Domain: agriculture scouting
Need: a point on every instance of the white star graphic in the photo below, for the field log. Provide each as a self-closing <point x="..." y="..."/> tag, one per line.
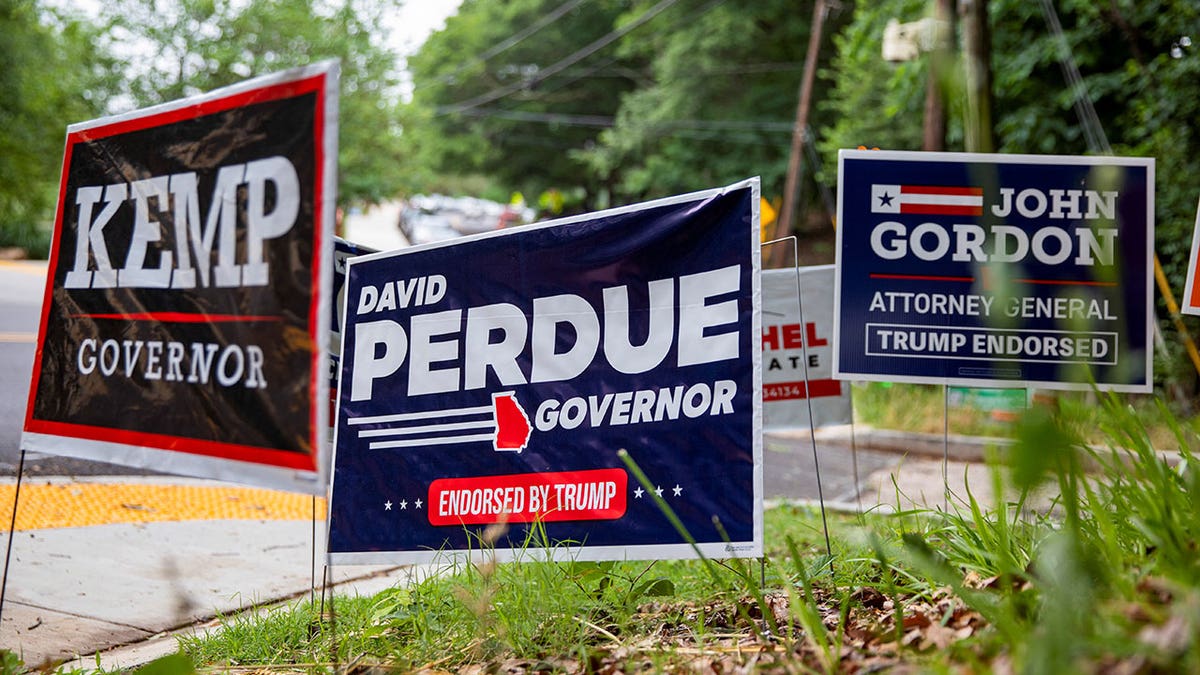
<point x="637" y="494"/>
<point x="658" y="490"/>
<point x="403" y="504"/>
<point x="417" y="504"/>
<point x="677" y="490"/>
<point x="387" y="506"/>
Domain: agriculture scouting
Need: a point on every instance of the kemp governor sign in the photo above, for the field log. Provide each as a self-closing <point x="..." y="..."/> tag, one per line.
<point x="1011" y="270"/>
<point x="494" y="379"/>
<point x="186" y="309"/>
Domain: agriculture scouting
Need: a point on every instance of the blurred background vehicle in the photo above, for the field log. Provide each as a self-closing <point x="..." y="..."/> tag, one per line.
<point x="428" y="218"/>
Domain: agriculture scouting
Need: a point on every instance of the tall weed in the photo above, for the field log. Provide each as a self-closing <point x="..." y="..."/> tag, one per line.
<point x="1065" y="585"/>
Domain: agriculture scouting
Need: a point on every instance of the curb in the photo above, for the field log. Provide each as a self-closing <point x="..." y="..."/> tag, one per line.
<point x="956" y="447"/>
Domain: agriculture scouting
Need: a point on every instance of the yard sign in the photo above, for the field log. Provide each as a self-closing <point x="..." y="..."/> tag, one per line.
<point x="798" y="357"/>
<point x="1191" y="291"/>
<point x="187" y="306"/>
<point x="492" y="380"/>
<point x="995" y="270"/>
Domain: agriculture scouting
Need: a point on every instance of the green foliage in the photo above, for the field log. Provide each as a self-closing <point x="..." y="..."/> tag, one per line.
<point x="171" y="664"/>
<point x="872" y="102"/>
<point x="50" y="75"/>
<point x="10" y="662"/>
<point x="1102" y="575"/>
<point x="206" y="44"/>
<point x="506" y="115"/>
<point x="718" y="103"/>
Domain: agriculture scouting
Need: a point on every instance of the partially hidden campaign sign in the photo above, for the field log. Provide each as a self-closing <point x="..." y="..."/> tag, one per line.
<point x="187" y="302"/>
<point x="798" y="355"/>
<point x="1191" y="290"/>
<point x="493" y="380"/>
<point x="995" y="270"/>
<point x="343" y="250"/>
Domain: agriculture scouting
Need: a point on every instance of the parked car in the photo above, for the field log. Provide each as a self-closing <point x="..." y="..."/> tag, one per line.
<point x="428" y="218"/>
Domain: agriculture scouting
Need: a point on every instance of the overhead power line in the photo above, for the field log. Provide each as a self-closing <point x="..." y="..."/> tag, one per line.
<point x="605" y="121"/>
<point x="1093" y="131"/>
<point x="516" y="38"/>
<point x="569" y="77"/>
<point x="565" y="63"/>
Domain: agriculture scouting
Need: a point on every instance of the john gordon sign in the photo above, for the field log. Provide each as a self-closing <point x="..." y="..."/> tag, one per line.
<point x="995" y="270"/>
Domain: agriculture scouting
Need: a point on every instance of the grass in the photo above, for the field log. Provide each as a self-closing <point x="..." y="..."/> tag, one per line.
<point x="922" y="408"/>
<point x="1106" y="578"/>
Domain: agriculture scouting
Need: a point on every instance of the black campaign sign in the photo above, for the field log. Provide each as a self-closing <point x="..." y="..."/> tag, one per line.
<point x="185" y="308"/>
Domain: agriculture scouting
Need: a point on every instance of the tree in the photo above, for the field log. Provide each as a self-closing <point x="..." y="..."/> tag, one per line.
<point x="51" y="76"/>
<point x="719" y="105"/>
<point x="679" y="95"/>
<point x="512" y="91"/>
<point x="201" y="45"/>
<point x="873" y="102"/>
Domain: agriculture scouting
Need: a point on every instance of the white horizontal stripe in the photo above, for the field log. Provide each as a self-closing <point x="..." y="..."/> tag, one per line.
<point x="404" y="417"/>
<point x="947" y="200"/>
<point x="403" y="431"/>
<point x="416" y="442"/>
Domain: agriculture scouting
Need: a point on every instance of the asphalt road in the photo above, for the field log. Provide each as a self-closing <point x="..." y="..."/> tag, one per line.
<point x="21" y="288"/>
<point x="22" y="285"/>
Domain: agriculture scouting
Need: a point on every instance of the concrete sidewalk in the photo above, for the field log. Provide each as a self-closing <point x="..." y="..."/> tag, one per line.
<point x="126" y="589"/>
<point x="80" y="590"/>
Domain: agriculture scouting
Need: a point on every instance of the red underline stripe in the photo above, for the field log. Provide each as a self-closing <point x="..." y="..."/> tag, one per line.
<point x="941" y="209"/>
<point x="921" y="277"/>
<point x="1066" y="282"/>
<point x="182" y="317"/>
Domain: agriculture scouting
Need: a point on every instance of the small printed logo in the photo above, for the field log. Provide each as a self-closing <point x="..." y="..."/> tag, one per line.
<point x="927" y="199"/>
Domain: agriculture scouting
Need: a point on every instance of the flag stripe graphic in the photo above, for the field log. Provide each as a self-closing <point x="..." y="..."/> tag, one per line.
<point x="945" y="200"/>
<point x="404" y="431"/>
<point x="416" y="442"/>
<point x="404" y="417"/>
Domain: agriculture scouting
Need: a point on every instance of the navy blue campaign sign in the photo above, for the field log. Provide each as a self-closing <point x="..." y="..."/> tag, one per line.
<point x="493" y="379"/>
<point x="994" y="270"/>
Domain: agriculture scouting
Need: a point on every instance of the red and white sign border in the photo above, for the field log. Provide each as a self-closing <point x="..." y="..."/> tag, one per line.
<point x="271" y="468"/>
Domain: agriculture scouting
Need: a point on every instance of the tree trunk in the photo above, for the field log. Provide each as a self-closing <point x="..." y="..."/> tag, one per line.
<point x="939" y="58"/>
<point x="977" y="50"/>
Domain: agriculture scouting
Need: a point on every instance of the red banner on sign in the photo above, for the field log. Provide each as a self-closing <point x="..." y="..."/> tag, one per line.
<point x="784" y="391"/>
<point x="598" y="494"/>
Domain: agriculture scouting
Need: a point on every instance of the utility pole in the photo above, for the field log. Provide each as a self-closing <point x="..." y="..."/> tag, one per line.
<point x="796" y="159"/>
<point x="977" y="51"/>
<point x="939" y="58"/>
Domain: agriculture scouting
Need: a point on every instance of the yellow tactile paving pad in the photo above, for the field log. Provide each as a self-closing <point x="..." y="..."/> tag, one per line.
<point x="45" y="506"/>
